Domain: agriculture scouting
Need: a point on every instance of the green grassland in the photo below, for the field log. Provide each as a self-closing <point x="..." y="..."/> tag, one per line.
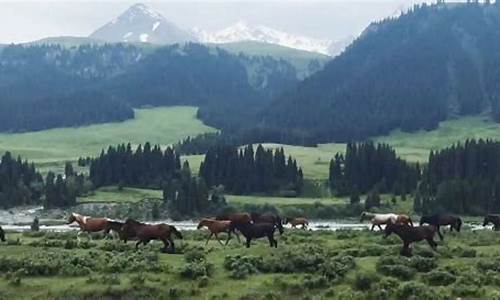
<point x="113" y="194"/>
<point x="306" y="265"/>
<point x="49" y="148"/>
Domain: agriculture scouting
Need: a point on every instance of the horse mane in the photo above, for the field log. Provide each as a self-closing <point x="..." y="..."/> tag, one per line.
<point x="175" y="231"/>
<point x="132" y="221"/>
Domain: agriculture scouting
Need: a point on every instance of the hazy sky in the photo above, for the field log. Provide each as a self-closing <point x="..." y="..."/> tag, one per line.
<point x="22" y="21"/>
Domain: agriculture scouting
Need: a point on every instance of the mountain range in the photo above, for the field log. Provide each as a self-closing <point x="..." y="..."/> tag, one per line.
<point x="142" y="24"/>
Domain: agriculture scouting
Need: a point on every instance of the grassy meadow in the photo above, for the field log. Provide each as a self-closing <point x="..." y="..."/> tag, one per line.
<point x="51" y="148"/>
<point x="306" y="265"/>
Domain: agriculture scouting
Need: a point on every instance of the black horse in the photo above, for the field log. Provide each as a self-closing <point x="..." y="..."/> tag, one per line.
<point x="268" y="218"/>
<point x="2" y="234"/>
<point x="254" y="231"/>
<point x="494" y="219"/>
<point x="442" y="220"/>
<point x="410" y="235"/>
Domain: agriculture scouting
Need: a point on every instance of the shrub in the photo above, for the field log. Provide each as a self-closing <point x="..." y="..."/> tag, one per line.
<point x="466" y="290"/>
<point x="464" y="252"/>
<point x="415" y="290"/>
<point x="194" y="254"/>
<point x="423" y="264"/>
<point x="364" y="281"/>
<point x="242" y="266"/>
<point x="439" y="278"/>
<point x="399" y="271"/>
<point x="197" y="269"/>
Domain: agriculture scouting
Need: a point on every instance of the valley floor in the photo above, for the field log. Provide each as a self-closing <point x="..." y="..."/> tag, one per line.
<point x="312" y="265"/>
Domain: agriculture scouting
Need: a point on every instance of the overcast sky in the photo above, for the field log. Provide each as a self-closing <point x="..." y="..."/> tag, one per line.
<point x="22" y="21"/>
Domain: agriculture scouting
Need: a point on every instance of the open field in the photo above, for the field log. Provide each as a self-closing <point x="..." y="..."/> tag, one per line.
<point x="113" y="194"/>
<point x="311" y="265"/>
<point x="49" y="148"/>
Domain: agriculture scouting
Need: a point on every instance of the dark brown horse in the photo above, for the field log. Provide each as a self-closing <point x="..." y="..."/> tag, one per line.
<point x="87" y="224"/>
<point x="494" y="219"/>
<point x="116" y="226"/>
<point x="254" y="231"/>
<point x="442" y="220"/>
<point x="147" y="232"/>
<point x="297" y="221"/>
<point x="410" y="235"/>
<point x="236" y="218"/>
<point x="268" y="218"/>
<point x="2" y="234"/>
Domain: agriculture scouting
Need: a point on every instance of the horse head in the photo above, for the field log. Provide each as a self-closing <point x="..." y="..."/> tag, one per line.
<point x="363" y="216"/>
<point x="72" y="218"/>
<point x="2" y="235"/>
<point x="201" y="224"/>
<point x="389" y="228"/>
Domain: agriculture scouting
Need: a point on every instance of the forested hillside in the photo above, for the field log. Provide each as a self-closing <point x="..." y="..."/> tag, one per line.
<point x="52" y="86"/>
<point x="411" y="72"/>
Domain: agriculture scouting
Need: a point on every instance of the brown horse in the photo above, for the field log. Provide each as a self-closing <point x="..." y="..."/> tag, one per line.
<point x="88" y="224"/>
<point x="297" y="221"/>
<point x="268" y="218"/>
<point x="384" y="219"/>
<point x="236" y="218"/>
<point x="216" y="227"/>
<point x="147" y="232"/>
<point x="410" y="235"/>
<point x="494" y="219"/>
<point x="2" y="234"/>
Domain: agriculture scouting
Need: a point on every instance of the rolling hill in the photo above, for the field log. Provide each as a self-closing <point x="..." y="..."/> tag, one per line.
<point x="412" y="72"/>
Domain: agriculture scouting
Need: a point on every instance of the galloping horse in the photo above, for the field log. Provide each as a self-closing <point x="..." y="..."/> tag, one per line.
<point x="494" y="219"/>
<point x="297" y="221"/>
<point x="268" y="218"/>
<point x="2" y="234"/>
<point x="216" y="227"/>
<point x="252" y="231"/>
<point x="383" y="219"/>
<point x="88" y="224"/>
<point x="147" y="232"/>
<point x="442" y="220"/>
<point x="410" y="235"/>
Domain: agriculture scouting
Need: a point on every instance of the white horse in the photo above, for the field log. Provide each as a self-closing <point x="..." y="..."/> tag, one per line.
<point x="379" y="219"/>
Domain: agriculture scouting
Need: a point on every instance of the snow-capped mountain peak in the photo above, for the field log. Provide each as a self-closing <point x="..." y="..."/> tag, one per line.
<point x="242" y="31"/>
<point x="141" y="23"/>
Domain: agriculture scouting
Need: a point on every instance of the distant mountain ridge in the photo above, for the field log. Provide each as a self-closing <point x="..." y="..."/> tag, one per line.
<point x="140" y="23"/>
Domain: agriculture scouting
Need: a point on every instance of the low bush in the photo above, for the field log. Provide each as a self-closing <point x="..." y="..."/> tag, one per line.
<point x="422" y="264"/>
<point x="364" y="281"/>
<point x="439" y="277"/>
<point x="194" y="254"/>
<point x="415" y="290"/>
<point x="466" y="290"/>
<point x="196" y="269"/>
<point x="242" y="266"/>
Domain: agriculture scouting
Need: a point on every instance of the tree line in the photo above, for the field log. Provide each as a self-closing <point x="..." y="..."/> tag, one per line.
<point x="366" y="166"/>
<point x="246" y="171"/>
<point x="463" y="178"/>
<point x="21" y="184"/>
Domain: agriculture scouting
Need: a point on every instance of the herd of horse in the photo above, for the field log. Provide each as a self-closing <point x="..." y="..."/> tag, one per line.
<point x="254" y="226"/>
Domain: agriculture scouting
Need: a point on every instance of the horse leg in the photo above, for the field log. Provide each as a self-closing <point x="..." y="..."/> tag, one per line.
<point x="209" y="237"/>
<point x="248" y="242"/>
<point x="373" y="227"/>
<point x="137" y="244"/>
<point x="439" y="233"/>
<point x="78" y="236"/>
<point x="379" y="227"/>
<point x="432" y="243"/>
<point x="217" y="237"/>
<point x="228" y="237"/>
<point x="237" y="237"/>
<point x="172" y="245"/>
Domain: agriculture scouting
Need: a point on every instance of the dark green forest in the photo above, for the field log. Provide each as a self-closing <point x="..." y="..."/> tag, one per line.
<point x="248" y="171"/>
<point x="464" y="178"/>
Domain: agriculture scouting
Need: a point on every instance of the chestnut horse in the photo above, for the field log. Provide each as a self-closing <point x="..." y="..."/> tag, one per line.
<point x="384" y="219"/>
<point x="268" y="218"/>
<point x="147" y="232"/>
<point x="254" y="231"/>
<point x="297" y="221"/>
<point x="442" y="220"/>
<point x="88" y="224"/>
<point x="494" y="219"/>
<point x="216" y="227"/>
<point x="410" y="235"/>
<point x="2" y="234"/>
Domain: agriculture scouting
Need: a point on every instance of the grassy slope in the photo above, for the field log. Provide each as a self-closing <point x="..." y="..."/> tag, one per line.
<point x="112" y="194"/>
<point x="220" y="285"/>
<point x="158" y="126"/>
